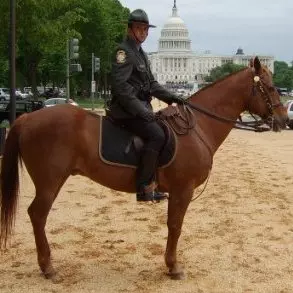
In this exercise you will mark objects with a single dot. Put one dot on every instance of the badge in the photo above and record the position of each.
(120, 56)
(256, 78)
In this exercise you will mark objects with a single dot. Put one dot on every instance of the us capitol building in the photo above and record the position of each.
(176, 65)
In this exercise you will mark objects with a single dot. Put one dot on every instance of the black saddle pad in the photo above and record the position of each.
(115, 145)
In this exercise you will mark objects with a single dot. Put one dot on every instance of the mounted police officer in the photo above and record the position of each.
(133, 86)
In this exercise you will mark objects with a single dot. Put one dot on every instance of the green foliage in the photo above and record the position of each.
(4, 72)
(100, 35)
(43, 28)
(52, 69)
(222, 71)
(283, 75)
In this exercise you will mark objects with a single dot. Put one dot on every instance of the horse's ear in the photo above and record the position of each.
(256, 65)
(251, 62)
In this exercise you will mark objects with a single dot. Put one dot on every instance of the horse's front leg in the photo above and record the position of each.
(178, 202)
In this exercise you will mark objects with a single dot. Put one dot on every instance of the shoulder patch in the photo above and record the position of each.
(120, 56)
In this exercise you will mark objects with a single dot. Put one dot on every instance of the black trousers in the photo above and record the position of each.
(150, 132)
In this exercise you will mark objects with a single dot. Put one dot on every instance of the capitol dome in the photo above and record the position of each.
(176, 66)
(174, 35)
(175, 21)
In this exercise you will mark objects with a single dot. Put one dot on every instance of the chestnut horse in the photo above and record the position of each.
(57, 142)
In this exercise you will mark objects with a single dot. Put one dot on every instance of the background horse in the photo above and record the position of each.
(57, 142)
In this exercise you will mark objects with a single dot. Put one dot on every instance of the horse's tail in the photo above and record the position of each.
(9, 180)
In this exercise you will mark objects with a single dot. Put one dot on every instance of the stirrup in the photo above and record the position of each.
(149, 193)
(153, 196)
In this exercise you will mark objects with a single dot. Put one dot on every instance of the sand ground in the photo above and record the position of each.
(236, 238)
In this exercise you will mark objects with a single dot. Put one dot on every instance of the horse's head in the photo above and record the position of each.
(265, 100)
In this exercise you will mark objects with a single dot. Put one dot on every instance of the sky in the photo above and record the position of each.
(259, 27)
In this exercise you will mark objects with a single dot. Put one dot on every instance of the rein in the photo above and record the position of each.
(182, 119)
(256, 125)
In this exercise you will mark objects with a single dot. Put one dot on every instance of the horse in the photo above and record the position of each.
(69, 135)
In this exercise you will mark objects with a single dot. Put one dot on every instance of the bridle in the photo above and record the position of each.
(257, 125)
(187, 119)
(183, 119)
(264, 89)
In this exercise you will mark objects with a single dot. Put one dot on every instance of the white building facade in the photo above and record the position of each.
(176, 64)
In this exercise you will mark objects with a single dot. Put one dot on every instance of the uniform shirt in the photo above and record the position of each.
(133, 83)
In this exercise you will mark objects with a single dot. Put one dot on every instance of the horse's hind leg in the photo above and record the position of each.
(178, 203)
(38, 212)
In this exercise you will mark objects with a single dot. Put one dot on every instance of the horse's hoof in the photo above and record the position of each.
(49, 273)
(177, 276)
(54, 277)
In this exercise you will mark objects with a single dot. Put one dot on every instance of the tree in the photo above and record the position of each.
(43, 27)
(105, 27)
(4, 57)
(4, 73)
(283, 75)
(222, 71)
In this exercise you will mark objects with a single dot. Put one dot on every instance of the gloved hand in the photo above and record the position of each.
(147, 115)
(178, 100)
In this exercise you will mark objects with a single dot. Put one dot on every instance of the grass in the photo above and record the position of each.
(286, 98)
(87, 103)
(100, 103)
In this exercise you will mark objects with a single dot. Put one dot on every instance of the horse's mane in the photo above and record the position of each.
(217, 81)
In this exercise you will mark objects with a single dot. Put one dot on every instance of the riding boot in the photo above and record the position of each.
(145, 183)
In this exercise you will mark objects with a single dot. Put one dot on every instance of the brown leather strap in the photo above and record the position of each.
(181, 118)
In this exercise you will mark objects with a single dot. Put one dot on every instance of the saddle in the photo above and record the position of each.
(118, 146)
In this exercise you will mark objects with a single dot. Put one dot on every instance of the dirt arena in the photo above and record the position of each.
(236, 238)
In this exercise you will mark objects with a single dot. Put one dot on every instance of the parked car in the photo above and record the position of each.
(58, 101)
(22, 95)
(282, 91)
(50, 93)
(4, 94)
(21, 106)
(289, 106)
